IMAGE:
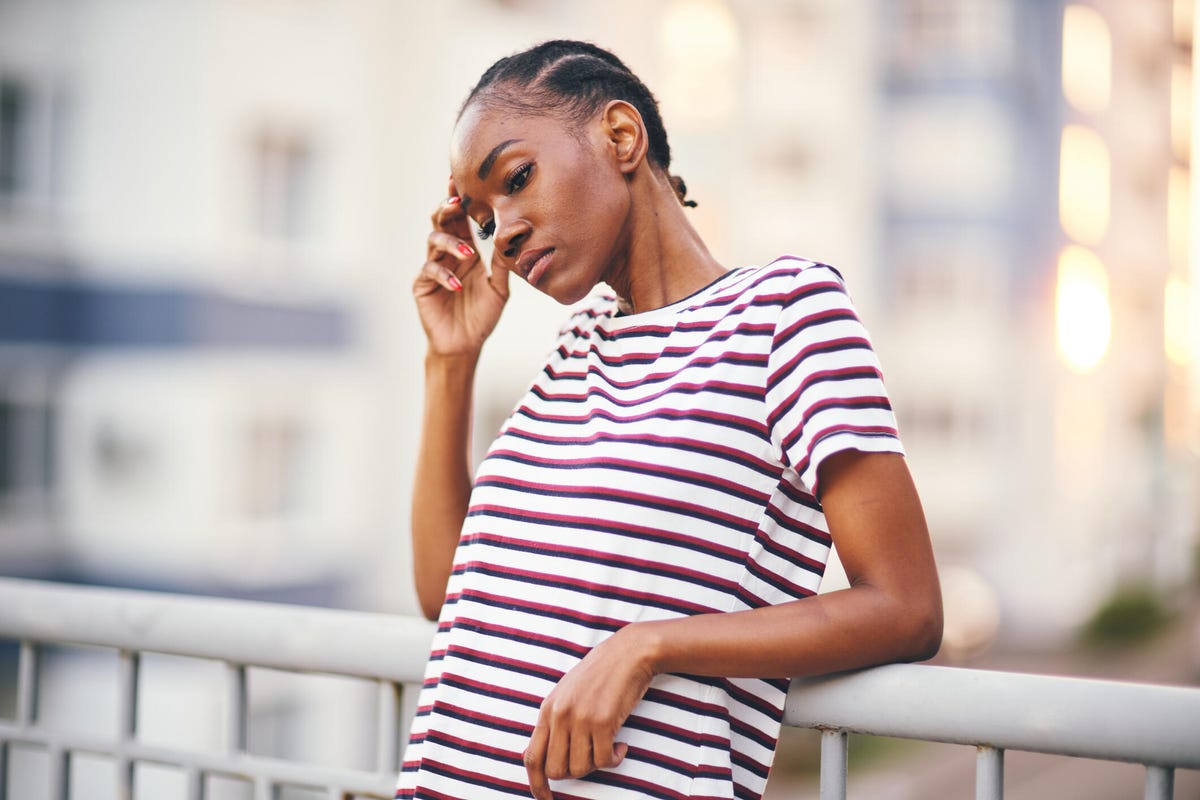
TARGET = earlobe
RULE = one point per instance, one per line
(626, 134)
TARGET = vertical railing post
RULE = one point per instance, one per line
(3, 770)
(195, 784)
(128, 668)
(59, 784)
(27, 683)
(238, 724)
(833, 765)
(1160, 782)
(387, 719)
(989, 774)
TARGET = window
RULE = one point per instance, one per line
(283, 166)
(14, 123)
(27, 445)
(31, 114)
(273, 468)
(944, 38)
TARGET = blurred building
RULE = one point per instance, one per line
(210, 213)
(1029, 257)
(189, 208)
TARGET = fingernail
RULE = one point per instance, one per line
(465, 250)
(453, 200)
(455, 283)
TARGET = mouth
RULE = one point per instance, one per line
(532, 265)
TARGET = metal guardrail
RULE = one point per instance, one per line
(1158, 726)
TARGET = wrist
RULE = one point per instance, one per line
(451, 363)
(646, 644)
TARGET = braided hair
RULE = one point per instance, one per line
(575, 79)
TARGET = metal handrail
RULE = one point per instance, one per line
(1155, 725)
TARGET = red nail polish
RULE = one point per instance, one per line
(454, 200)
(455, 283)
(465, 250)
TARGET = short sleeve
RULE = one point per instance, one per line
(825, 390)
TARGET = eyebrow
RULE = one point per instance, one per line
(490, 159)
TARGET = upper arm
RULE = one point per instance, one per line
(879, 529)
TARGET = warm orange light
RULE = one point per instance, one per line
(1086, 59)
(1181, 111)
(700, 45)
(1083, 190)
(1181, 328)
(1182, 14)
(1082, 311)
(1179, 217)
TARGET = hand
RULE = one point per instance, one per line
(459, 303)
(579, 719)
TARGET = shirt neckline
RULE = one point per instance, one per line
(616, 320)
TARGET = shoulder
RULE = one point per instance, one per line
(785, 282)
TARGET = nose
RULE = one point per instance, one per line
(511, 235)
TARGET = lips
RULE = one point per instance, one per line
(532, 263)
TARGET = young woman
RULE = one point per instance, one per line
(628, 582)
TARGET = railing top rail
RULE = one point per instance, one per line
(1152, 724)
(1112, 720)
(303, 638)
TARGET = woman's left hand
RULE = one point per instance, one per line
(579, 719)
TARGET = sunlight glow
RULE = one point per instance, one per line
(1083, 191)
(1086, 59)
(1082, 310)
(700, 45)
(1181, 305)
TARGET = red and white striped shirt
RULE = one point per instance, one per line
(662, 464)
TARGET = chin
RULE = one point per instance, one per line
(567, 293)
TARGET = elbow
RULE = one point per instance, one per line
(924, 632)
(431, 607)
(430, 612)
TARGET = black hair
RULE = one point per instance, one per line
(575, 79)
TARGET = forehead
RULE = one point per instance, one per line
(480, 129)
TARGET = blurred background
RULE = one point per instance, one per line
(211, 212)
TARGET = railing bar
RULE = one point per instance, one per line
(59, 783)
(238, 721)
(128, 668)
(27, 683)
(1160, 782)
(245, 767)
(989, 774)
(388, 717)
(833, 764)
(3, 770)
(195, 784)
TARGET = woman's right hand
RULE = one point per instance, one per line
(459, 299)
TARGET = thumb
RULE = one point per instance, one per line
(619, 751)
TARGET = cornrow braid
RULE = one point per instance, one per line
(576, 79)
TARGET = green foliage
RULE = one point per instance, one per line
(1132, 614)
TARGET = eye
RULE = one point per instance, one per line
(486, 229)
(518, 177)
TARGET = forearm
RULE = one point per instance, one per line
(442, 487)
(848, 629)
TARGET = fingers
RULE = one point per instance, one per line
(606, 755)
(446, 255)
(535, 759)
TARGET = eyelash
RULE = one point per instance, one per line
(515, 181)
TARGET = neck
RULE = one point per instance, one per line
(665, 259)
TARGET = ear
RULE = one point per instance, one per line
(626, 134)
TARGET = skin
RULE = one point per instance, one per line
(589, 192)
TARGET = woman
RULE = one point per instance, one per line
(628, 582)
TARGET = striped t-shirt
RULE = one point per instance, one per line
(662, 464)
